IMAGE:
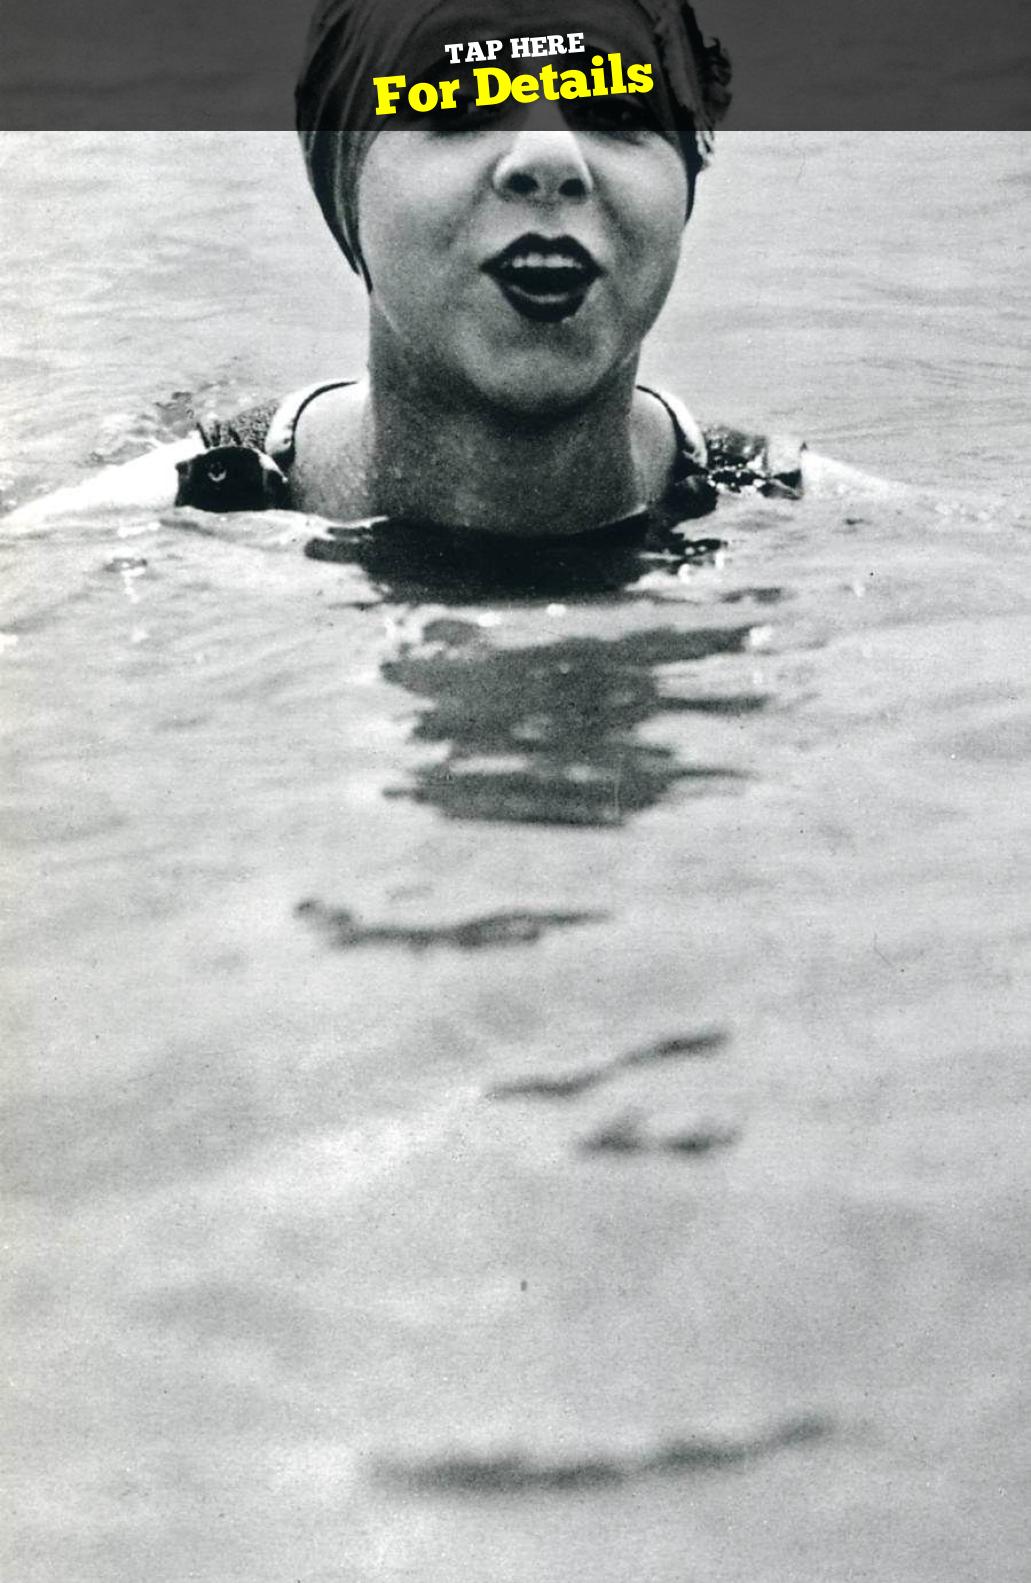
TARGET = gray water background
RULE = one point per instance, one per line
(455, 1238)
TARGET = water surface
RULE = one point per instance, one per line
(521, 1085)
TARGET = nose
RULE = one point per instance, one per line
(544, 163)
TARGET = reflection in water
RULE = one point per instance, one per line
(570, 1085)
(755, 596)
(345, 932)
(411, 561)
(548, 734)
(515, 1473)
(631, 1134)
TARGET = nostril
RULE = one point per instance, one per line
(521, 182)
(573, 187)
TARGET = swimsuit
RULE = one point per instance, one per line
(709, 462)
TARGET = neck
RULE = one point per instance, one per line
(453, 458)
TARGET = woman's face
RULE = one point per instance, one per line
(524, 260)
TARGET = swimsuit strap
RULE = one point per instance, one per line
(733, 458)
(281, 436)
(708, 462)
(690, 439)
(280, 439)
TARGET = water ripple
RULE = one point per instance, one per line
(345, 932)
(523, 1473)
(546, 734)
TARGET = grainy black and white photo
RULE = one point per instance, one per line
(514, 621)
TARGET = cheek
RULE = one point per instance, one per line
(387, 227)
(650, 201)
(412, 202)
(653, 243)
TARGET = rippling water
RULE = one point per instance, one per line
(511, 1085)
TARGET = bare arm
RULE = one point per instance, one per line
(147, 484)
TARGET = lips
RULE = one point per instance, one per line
(544, 278)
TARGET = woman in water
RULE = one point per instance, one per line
(515, 258)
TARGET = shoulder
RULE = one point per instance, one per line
(730, 459)
(263, 457)
(715, 459)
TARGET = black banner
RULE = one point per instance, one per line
(886, 64)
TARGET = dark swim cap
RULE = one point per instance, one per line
(352, 41)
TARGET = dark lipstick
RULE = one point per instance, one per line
(545, 278)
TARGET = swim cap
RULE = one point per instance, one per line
(352, 41)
